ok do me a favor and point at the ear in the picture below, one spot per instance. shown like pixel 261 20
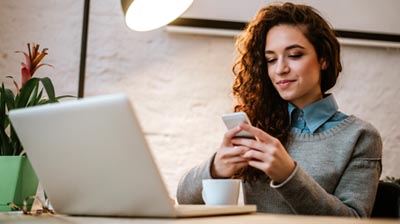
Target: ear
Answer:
pixel 323 63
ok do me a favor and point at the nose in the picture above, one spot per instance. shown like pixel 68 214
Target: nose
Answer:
pixel 282 67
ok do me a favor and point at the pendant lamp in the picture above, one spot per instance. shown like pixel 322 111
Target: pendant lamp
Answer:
pixel 140 15
pixel 145 15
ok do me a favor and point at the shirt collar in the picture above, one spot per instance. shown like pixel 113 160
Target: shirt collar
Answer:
pixel 291 108
pixel 317 113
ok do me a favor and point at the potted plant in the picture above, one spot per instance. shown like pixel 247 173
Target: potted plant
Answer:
pixel 18 180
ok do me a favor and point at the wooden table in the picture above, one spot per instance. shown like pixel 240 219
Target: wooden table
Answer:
pixel 256 218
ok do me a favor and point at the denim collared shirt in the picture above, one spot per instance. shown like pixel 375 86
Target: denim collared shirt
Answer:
pixel 316 117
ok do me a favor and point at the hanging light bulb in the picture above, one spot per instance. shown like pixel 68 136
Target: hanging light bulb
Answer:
pixel 145 15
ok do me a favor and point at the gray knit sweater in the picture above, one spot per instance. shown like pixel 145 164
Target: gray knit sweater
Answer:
pixel 337 174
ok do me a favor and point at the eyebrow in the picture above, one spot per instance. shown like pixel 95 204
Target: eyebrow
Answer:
pixel 286 48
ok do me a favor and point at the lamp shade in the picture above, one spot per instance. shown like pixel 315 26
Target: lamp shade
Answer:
pixel 145 15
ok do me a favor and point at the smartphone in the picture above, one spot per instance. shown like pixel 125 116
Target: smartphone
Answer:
pixel 232 120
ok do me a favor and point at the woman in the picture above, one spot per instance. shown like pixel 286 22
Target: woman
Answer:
pixel 309 157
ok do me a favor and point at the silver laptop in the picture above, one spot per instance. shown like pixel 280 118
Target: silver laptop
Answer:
pixel 92 158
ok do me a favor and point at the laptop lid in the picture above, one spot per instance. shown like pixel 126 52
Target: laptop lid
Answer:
pixel 92 158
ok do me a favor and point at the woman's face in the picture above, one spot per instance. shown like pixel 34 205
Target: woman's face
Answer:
pixel 293 65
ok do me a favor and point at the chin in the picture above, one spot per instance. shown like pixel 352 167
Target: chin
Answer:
pixel 287 97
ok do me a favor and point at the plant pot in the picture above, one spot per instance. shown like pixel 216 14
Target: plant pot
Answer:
pixel 18 181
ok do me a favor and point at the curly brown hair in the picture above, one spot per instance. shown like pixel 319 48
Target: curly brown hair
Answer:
pixel 253 88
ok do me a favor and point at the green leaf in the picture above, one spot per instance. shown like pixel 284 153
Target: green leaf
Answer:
pixel 48 85
pixel 2 104
pixel 15 143
pixel 6 103
pixel 26 92
pixel 43 101
pixel 5 143
pixel 9 98
pixel 33 98
pixel 39 97
pixel 65 96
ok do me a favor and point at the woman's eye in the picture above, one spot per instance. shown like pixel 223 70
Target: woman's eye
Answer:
pixel 271 60
pixel 295 55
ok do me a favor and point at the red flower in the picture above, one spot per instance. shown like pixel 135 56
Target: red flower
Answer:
pixel 32 62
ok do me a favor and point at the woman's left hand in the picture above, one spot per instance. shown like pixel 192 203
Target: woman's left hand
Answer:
pixel 266 154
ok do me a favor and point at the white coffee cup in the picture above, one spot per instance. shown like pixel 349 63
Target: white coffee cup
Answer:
pixel 221 191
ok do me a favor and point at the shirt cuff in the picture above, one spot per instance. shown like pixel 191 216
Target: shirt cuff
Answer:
pixel 273 185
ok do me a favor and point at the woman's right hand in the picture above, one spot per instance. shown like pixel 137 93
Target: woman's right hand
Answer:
pixel 228 159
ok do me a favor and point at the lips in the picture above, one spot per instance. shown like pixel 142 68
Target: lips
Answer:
pixel 283 84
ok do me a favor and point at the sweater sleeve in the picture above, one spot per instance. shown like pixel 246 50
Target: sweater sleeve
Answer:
pixel 355 193
pixel 190 185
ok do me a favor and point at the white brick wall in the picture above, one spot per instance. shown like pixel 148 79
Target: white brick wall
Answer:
pixel 179 84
